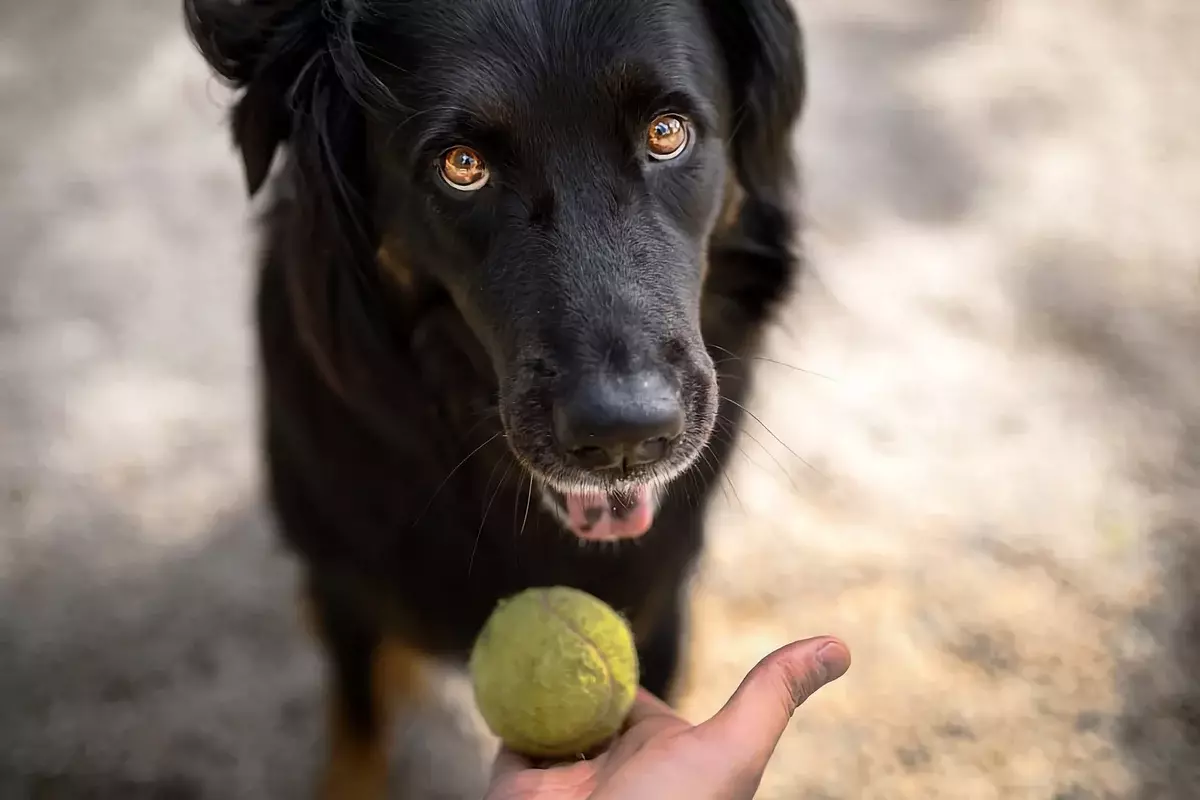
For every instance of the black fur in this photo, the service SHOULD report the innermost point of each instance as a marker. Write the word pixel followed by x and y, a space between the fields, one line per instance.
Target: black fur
pixel 407 409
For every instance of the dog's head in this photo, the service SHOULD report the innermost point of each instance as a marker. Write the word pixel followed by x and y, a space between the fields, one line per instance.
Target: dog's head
pixel 557 167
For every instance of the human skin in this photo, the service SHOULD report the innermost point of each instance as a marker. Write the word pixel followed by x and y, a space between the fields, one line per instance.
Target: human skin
pixel 660 756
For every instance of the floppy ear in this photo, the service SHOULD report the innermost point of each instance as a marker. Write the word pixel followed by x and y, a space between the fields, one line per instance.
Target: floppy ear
pixel 262 48
pixel 761 45
pixel 282 55
pixel 763 51
pixel 259 128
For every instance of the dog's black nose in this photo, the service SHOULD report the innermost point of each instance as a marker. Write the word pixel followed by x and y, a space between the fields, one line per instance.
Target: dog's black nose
pixel 619 420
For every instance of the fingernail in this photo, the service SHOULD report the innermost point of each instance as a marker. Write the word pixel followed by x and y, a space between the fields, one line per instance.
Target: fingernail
pixel 835 659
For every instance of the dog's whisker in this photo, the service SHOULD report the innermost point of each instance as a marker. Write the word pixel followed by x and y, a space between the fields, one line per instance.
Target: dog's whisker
pixel 528 502
pixel 517 499
pixel 702 459
pixel 725 350
pixel 720 479
pixel 692 499
pixel 719 473
pixel 486 511
pixel 754 417
pixel 774 458
pixel 793 367
pixel 488 485
pixel 450 475
pixel 729 439
pixel 727 426
pixel 488 414
pixel 728 481
pixel 766 359
pixel 737 497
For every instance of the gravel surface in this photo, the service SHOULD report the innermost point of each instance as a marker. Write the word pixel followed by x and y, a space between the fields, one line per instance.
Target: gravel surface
pixel 979 457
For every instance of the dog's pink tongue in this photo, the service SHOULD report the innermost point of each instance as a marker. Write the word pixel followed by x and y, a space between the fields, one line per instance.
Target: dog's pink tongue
pixel 601 517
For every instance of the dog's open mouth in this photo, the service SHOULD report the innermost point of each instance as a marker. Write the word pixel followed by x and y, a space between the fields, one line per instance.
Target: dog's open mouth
pixel 605 517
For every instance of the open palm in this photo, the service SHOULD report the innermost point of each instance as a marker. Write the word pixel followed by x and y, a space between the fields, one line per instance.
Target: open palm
pixel 660 756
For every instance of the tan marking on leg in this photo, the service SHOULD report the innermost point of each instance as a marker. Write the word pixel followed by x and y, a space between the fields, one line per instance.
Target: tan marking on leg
pixel 356 767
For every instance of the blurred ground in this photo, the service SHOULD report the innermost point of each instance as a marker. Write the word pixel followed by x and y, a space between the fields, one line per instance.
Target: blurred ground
pixel 1000 502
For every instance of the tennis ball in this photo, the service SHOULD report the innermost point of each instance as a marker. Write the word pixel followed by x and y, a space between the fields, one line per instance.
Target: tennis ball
pixel 554 671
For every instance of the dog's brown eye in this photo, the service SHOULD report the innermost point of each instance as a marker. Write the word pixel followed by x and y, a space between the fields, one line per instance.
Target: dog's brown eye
pixel 463 169
pixel 666 137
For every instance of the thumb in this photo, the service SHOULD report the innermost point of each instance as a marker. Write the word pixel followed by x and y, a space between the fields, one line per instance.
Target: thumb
pixel 751 723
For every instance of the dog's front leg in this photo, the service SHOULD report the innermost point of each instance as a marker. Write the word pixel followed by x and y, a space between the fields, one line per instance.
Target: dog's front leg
pixel 369 677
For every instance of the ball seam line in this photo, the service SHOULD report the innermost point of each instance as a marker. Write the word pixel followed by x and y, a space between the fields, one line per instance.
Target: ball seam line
pixel 608 671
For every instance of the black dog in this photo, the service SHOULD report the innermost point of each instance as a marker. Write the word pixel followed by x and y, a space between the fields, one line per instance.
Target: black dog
pixel 518 257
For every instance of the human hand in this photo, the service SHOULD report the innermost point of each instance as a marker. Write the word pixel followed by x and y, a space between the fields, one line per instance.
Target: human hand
pixel 660 756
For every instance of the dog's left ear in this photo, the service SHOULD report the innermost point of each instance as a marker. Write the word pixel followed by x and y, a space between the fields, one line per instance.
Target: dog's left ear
pixel 763 51
pixel 261 47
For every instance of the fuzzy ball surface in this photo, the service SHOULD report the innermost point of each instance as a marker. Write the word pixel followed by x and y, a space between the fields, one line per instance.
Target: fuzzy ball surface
pixel 554 671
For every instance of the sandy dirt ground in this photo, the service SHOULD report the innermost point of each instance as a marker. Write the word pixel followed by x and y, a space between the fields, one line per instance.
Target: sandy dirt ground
pixel 979 457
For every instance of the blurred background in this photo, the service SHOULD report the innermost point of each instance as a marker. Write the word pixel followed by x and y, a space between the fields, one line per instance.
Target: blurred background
pixel 979 457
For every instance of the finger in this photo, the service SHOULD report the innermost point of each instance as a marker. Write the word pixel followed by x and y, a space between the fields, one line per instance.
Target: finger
pixel 647 707
pixel 751 723
pixel 648 719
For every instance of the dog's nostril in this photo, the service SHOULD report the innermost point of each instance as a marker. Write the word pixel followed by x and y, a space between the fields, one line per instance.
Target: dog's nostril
pixel 649 451
pixel 609 421
pixel 595 458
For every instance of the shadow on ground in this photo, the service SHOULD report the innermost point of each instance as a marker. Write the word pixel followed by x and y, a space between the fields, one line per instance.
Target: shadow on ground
pixel 1136 342
pixel 198 679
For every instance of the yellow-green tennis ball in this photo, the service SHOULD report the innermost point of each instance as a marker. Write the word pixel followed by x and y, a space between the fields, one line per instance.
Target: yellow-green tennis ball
pixel 555 671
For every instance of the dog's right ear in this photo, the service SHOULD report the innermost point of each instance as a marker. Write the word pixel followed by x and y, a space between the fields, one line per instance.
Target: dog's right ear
pixel 260 47
pixel 763 49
